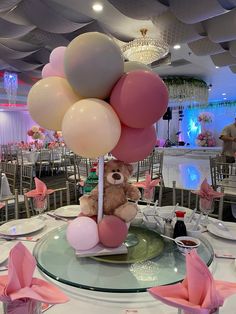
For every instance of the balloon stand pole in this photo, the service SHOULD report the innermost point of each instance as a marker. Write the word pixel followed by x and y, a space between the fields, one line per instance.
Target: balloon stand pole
pixel 100 187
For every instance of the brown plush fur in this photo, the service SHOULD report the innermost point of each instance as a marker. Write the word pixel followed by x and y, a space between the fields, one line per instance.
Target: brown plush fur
pixel 116 191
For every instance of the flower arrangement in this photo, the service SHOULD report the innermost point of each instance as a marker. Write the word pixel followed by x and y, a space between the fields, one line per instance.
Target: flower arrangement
pixel 205 117
pixel 36 132
pixel 57 135
pixel 206 139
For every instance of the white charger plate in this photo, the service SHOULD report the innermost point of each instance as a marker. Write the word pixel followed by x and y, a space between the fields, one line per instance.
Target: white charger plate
pixel 229 235
pixel 21 227
pixel 69 211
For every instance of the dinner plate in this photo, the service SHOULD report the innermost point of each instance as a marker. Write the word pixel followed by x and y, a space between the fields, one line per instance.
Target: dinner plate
pixel 229 235
pixel 69 211
pixel 21 227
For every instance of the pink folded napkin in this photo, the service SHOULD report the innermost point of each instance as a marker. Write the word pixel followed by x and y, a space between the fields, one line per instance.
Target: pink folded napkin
pixel 40 189
pixel 19 286
pixel 148 185
pixel 199 293
pixel 207 194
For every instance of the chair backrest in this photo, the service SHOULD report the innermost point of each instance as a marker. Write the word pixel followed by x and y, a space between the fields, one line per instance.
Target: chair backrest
pixel 157 165
pixel 60 197
pixel 26 177
pixel 10 209
pixel 184 197
pixel 10 170
pixel 45 155
pixel 223 175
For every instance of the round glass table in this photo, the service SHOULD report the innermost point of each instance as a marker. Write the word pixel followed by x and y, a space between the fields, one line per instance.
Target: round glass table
pixel 158 262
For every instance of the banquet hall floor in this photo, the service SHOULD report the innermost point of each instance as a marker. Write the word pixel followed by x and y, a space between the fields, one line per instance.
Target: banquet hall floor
pixel 187 171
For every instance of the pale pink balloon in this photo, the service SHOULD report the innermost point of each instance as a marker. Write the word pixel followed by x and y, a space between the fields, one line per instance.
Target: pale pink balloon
pixel 140 98
pixel 135 144
pixel 82 233
pixel 56 60
pixel 48 71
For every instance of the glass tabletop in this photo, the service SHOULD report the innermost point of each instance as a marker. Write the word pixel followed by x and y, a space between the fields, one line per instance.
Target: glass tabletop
pixel 58 260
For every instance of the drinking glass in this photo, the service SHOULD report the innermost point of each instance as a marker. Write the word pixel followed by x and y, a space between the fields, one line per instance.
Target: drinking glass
pixel 40 205
pixel 206 208
pixel 26 306
pixel 148 196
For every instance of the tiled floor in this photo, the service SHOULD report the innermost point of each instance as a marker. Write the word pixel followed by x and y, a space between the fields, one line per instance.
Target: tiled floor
pixel 187 171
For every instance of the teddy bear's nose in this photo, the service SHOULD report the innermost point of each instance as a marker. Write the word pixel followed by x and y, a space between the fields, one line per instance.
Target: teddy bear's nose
pixel 116 176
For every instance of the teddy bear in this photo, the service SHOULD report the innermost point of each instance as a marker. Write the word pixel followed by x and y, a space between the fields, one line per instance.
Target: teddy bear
pixel 117 191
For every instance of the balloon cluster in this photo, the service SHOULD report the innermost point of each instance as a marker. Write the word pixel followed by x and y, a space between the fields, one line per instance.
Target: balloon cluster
pixel 83 233
pixel 36 132
pixel 100 103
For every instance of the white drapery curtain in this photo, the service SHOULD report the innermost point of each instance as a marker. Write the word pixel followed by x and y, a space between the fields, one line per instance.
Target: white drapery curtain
pixel 14 126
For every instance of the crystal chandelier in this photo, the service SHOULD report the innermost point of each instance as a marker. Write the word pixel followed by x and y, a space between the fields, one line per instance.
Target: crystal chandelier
pixel 11 86
pixel 145 49
pixel 186 90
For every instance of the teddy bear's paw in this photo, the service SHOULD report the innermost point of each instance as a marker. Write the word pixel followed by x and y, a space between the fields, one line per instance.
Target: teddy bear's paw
pixel 127 212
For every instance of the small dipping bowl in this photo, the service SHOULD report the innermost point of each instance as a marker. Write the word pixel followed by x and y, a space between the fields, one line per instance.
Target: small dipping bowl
pixel 189 243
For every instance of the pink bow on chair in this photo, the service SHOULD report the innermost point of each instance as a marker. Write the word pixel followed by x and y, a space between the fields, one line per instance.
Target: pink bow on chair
pixel 207 194
pixel 148 185
pixel 20 287
pixel 199 293
pixel 40 189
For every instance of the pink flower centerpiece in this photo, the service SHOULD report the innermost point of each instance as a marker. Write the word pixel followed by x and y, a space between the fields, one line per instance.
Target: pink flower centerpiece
pixel 206 139
pixel 36 132
pixel 205 117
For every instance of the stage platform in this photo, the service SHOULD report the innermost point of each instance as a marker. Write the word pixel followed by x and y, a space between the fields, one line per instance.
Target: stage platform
pixel 191 151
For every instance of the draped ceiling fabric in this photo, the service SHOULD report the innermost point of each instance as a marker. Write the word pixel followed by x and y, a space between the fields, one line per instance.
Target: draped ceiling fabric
pixel 31 29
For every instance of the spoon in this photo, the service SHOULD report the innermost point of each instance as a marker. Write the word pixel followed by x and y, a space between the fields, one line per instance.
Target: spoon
pixel 176 241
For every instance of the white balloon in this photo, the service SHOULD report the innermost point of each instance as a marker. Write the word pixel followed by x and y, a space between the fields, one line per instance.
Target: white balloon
pixel 93 64
pixel 91 128
pixel 48 101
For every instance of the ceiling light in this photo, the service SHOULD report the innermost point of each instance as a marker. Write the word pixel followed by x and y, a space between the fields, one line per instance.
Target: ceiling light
pixel 217 67
pixel 97 7
pixel 177 47
pixel 145 49
pixel 223 94
pixel 225 98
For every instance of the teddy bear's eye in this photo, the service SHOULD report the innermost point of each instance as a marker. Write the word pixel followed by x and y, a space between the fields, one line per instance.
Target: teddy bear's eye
pixel 113 171
pixel 117 170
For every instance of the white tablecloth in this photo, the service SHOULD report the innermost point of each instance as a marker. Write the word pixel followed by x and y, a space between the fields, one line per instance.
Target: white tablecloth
pixel 92 302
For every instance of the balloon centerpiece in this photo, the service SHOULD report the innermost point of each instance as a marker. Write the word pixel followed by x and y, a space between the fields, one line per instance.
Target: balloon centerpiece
pixel 101 105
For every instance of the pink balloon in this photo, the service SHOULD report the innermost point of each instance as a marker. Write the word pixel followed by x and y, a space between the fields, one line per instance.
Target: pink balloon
pixel 48 71
pixel 140 98
pixel 82 233
pixel 112 231
pixel 56 60
pixel 135 144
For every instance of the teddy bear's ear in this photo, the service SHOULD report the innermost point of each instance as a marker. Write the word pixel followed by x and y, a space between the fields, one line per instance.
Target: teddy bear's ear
pixel 130 168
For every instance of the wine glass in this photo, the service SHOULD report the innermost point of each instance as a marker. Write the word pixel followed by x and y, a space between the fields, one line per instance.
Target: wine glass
pixel 206 208
pixel 148 196
pixel 40 205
